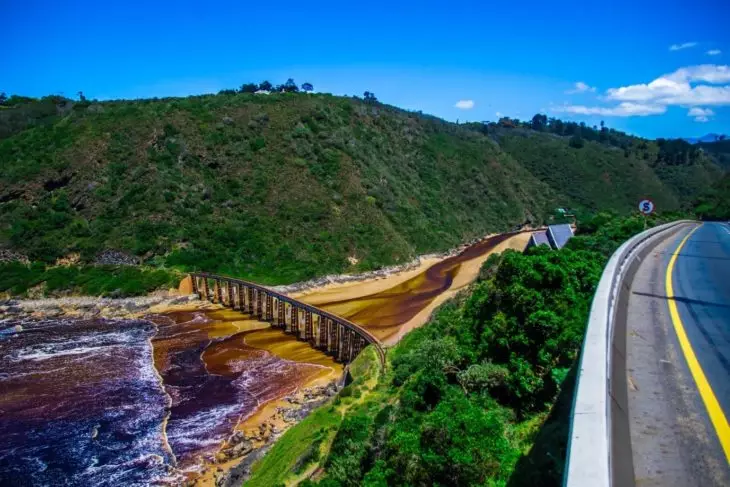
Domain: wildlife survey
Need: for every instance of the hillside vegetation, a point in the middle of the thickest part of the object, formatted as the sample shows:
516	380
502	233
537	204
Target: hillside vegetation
481	395
288	186
715	203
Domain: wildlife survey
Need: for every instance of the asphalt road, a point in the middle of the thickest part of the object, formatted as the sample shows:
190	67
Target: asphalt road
678	360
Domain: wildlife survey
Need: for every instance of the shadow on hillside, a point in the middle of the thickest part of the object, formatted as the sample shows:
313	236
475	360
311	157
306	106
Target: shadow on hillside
543	465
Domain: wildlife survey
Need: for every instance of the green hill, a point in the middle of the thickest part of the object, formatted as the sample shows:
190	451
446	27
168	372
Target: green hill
288	186
276	188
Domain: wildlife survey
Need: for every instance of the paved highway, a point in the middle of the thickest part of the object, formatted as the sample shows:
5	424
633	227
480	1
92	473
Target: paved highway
678	360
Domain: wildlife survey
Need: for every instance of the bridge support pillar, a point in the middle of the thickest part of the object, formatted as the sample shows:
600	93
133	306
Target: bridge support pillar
269	307
239	294
281	317
218	291
332	338
322	332
295	321
344	344
195	285
308	326
231	303
259	305
206	290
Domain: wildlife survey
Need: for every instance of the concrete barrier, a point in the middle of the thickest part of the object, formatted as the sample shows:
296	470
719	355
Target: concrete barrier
599	451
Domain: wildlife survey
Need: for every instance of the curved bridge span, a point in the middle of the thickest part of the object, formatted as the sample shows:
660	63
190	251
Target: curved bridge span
325	331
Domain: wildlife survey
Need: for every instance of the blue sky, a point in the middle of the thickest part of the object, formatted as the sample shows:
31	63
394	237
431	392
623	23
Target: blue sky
511	58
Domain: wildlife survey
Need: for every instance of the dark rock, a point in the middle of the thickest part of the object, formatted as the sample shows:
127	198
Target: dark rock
7	255
115	257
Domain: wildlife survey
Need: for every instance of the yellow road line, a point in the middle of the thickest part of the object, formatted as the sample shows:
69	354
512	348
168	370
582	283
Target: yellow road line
717	416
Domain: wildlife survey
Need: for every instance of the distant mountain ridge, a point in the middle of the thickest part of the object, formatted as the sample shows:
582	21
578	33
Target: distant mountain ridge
705	138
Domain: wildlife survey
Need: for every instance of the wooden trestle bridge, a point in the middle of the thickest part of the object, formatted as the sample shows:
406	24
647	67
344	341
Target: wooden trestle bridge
334	335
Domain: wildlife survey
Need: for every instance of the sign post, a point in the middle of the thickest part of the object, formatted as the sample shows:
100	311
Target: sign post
646	207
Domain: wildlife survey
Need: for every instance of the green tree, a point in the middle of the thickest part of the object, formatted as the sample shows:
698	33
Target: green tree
249	88
3	98
539	122
307	87
266	86
464	444
369	97
290	86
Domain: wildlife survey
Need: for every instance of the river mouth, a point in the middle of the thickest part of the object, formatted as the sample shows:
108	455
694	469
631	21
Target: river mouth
152	401
138	402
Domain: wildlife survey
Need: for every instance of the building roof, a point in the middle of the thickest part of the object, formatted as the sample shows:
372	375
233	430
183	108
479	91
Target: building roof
558	235
539	238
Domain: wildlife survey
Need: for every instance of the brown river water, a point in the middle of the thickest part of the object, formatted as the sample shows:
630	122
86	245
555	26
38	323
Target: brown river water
385	312
148	401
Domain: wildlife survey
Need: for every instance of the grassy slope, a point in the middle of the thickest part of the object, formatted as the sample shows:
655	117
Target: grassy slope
275	188
293	455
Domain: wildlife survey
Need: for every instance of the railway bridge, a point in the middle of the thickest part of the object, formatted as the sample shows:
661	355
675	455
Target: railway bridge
332	334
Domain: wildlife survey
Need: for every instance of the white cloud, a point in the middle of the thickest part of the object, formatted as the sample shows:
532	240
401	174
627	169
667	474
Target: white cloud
499	115
465	104
691	87
700	114
676	88
625	109
679	47
714	52
581	87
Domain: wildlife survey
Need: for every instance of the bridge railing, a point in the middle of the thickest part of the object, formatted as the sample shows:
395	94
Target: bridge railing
599	451
334	334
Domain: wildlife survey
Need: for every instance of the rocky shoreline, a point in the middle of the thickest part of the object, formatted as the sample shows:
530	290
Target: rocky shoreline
87	307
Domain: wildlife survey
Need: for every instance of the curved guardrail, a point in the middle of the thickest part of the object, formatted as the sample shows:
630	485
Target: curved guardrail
599	450
298	305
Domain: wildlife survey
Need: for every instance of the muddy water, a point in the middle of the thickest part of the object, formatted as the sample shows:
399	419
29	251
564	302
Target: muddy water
135	402
215	378
385	312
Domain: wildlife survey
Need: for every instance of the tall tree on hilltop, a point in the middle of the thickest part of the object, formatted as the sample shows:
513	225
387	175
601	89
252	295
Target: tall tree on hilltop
266	86
290	86
249	88
369	97
307	87
539	122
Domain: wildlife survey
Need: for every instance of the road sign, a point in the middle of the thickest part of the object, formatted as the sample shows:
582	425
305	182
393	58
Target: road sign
646	206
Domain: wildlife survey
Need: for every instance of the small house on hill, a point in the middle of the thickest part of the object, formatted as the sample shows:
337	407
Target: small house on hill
555	237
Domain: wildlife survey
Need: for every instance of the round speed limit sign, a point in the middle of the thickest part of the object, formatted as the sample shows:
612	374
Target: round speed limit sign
646	207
